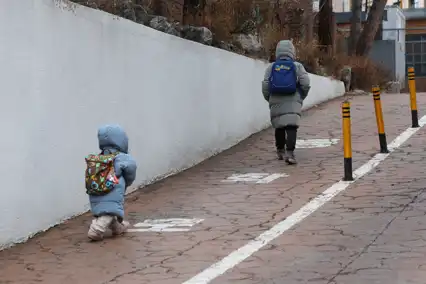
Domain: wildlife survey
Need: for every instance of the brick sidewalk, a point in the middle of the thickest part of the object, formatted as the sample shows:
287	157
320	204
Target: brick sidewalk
375	232
236	213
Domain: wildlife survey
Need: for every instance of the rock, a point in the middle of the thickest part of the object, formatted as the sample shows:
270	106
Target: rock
127	11
199	34
346	77
249	43
161	24
224	45
144	19
142	16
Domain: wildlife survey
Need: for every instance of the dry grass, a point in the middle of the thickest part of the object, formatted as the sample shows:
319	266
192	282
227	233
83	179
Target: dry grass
228	17
220	18
365	72
270	35
310	55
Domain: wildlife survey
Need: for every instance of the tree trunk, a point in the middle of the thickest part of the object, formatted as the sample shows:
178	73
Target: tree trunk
325	16
309	23
355	26
374	19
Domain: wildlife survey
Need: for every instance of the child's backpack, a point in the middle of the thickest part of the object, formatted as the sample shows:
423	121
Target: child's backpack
100	174
283	78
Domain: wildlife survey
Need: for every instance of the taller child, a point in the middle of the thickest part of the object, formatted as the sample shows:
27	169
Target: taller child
285	85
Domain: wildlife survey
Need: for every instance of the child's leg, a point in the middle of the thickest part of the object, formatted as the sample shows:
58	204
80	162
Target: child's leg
291	144
118	228
99	226
280	140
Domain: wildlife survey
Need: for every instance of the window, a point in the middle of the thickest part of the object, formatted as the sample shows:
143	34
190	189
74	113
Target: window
415	48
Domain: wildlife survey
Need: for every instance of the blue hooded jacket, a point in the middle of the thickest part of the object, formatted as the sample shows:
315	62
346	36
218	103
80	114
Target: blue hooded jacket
112	139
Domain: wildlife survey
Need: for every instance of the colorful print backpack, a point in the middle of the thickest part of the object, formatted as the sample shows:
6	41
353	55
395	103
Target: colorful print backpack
100	174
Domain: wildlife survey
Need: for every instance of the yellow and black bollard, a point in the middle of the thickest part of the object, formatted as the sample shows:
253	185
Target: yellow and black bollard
413	97
380	121
347	143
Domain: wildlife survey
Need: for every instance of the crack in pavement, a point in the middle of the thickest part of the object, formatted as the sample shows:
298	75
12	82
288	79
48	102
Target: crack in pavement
115	278
364	250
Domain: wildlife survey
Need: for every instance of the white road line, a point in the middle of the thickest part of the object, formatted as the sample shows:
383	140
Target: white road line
253	246
271	178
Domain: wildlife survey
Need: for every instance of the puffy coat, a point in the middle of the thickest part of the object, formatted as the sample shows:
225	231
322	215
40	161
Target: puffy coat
286	110
112	139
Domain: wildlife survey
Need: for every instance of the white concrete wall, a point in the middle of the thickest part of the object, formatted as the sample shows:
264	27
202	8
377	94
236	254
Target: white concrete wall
179	101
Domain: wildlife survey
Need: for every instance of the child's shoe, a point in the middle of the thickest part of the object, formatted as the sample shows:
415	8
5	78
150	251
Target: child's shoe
290	158
118	228
280	154
98	227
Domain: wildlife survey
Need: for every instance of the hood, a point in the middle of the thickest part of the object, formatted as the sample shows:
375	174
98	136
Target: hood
113	137
285	48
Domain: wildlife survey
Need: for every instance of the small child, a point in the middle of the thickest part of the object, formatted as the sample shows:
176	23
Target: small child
108	175
285	85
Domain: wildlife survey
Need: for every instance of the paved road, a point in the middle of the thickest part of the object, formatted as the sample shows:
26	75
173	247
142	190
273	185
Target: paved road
372	232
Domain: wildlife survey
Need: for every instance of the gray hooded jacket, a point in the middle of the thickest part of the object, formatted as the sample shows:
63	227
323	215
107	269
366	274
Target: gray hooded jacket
286	110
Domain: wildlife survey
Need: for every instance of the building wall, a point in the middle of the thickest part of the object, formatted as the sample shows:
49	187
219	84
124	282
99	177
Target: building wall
418	24
400	63
391	56
394	25
383	54
406	3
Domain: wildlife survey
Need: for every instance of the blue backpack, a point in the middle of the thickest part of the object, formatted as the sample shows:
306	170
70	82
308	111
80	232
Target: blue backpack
283	78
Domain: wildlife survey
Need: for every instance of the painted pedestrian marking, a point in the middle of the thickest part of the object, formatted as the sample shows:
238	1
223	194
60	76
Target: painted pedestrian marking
165	225
316	143
259	178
